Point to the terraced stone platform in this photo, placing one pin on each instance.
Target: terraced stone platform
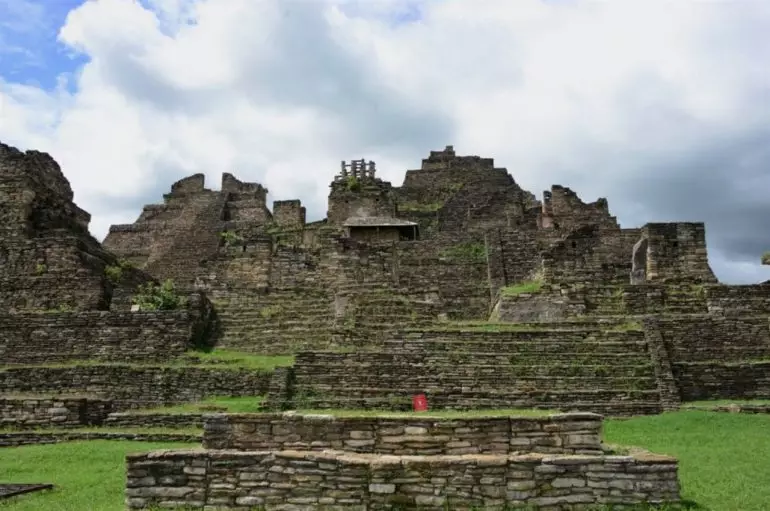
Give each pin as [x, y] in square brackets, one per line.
[602, 371]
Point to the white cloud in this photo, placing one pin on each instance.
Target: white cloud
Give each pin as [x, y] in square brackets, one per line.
[661, 107]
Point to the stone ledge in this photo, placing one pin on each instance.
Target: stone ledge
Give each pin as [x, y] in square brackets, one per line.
[16, 438]
[573, 433]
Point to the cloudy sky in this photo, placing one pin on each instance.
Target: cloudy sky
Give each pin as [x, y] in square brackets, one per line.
[662, 107]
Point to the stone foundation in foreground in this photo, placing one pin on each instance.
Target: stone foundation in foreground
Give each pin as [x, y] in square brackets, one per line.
[227, 479]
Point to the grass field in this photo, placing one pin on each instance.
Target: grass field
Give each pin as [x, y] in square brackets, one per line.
[232, 404]
[89, 476]
[723, 457]
[723, 462]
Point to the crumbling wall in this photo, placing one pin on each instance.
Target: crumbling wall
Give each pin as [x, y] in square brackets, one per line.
[676, 252]
[289, 214]
[463, 192]
[48, 260]
[563, 209]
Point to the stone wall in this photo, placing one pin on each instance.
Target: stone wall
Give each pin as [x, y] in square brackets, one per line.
[17, 438]
[720, 380]
[103, 336]
[135, 386]
[289, 214]
[33, 412]
[738, 300]
[274, 480]
[677, 252]
[48, 260]
[577, 433]
[704, 338]
[563, 367]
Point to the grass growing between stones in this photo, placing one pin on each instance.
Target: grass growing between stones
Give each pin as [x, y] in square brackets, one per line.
[722, 457]
[247, 404]
[87, 475]
[726, 402]
[242, 360]
[441, 414]
[106, 429]
[522, 288]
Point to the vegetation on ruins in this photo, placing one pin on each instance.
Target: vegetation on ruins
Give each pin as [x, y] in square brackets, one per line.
[230, 238]
[114, 272]
[533, 286]
[40, 269]
[270, 311]
[226, 358]
[471, 252]
[766, 258]
[247, 404]
[419, 207]
[154, 297]
[353, 184]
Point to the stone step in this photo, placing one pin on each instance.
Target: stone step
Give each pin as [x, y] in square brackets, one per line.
[511, 382]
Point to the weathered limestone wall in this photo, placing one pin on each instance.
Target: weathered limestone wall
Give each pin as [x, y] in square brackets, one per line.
[738, 300]
[677, 252]
[707, 338]
[718, 380]
[565, 368]
[135, 386]
[716, 357]
[460, 193]
[562, 209]
[274, 480]
[369, 197]
[289, 214]
[48, 259]
[576, 433]
[54, 411]
[103, 336]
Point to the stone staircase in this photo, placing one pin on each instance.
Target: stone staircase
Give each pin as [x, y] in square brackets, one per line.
[280, 321]
[607, 372]
[374, 313]
[196, 239]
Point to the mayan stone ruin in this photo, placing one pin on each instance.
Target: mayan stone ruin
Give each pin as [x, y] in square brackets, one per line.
[458, 285]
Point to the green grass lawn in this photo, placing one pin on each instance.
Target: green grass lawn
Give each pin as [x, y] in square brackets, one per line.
[232, 404]
[89, 476]
[723, 462]
[723, 458]
[727, 402]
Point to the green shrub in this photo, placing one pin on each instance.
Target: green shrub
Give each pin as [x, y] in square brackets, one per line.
[41, 269]
[230, 237]
[114, 272]
[353, 184]
[766, 258]
[153, 297]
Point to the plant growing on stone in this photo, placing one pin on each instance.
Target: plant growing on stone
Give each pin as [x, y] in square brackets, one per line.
[472, 252]
[153, 297]
[766, 258]
[353, 184]
[40, 269]
[230, 237]
[114, 272]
